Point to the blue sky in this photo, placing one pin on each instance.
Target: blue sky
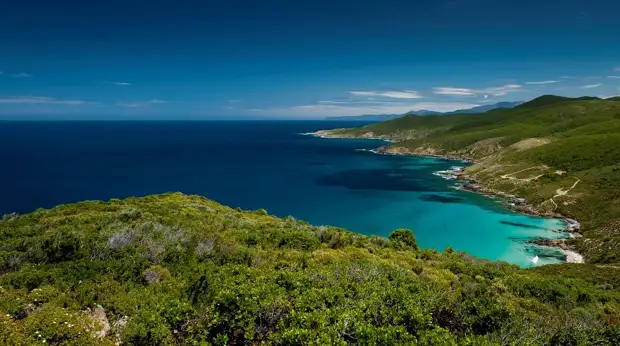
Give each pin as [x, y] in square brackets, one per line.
[227, 59]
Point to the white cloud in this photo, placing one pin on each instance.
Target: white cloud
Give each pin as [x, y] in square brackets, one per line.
[119, 83]
[454, 91]
[614, 77]
[501, 91]
[42, 100]
[591, 86]
[343, 108]
[21, 75]
[543, 82]
[390, 102]
[328, 102]
[364, 102]
[494, 91]
[407, 94]
[133, 104]
[363, 93]
[404, 94]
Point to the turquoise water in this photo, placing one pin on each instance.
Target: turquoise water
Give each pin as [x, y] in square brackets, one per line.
[444, 216]
[262, 165]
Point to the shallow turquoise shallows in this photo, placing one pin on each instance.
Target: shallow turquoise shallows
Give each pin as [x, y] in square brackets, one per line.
[263, 165]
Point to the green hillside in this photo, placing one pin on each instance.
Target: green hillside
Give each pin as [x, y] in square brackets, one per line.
[562, 154]
[545, 100]
[182, 270]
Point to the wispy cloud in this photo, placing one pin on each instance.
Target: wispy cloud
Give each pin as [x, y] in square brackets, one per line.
[494, 91]
[501, 91]
[614, 77]
[42, 100]
[367, 101]
[232, 104]
[454, 91]
[344, 108]
[617, 69]
[133, 104]
[591, 86]
[119, 83]
[543, 82]
[21, 75]
[396, 94]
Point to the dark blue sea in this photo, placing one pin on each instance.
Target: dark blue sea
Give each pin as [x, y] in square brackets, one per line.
[259, 165]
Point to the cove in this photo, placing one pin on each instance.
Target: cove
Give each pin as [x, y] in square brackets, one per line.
[264, 165]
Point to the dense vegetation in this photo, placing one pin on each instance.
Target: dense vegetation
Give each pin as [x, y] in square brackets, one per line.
[562, 154]
[175, 269]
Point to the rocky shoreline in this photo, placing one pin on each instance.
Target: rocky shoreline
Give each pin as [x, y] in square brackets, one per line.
[520, 205]
[329, 134]
[512, 202]
[389, 150]
[560, 243]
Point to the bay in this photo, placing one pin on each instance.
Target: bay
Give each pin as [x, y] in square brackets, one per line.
[267, 165]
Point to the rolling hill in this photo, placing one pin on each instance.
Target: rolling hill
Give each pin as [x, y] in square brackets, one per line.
[561, 154]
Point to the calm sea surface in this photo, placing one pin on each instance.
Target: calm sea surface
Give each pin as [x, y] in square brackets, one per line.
[260, 165]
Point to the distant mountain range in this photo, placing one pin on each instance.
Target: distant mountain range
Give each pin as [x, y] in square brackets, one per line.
[383, 117]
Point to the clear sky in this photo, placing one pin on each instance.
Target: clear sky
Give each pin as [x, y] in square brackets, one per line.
[298, 59]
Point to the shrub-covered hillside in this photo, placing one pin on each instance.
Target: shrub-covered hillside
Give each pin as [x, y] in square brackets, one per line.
[562, 154]
[182, 270]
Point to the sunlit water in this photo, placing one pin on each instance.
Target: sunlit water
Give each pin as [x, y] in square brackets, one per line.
[263, 165]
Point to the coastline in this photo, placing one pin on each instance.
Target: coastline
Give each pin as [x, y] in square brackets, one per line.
[326, 134]
[511, 202]
[520, 205]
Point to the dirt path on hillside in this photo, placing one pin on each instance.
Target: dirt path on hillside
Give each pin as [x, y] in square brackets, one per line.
[561, 192]
[509, 176]
[558, 193]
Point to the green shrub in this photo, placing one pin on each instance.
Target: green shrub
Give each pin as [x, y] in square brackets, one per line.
[404, 237]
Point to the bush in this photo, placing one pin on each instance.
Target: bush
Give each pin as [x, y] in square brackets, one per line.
[404, 237]
[261, 212]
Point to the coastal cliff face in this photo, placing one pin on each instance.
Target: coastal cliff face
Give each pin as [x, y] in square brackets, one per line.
[174, 269]
[420, 151]
[396, 150]
[560, 158]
